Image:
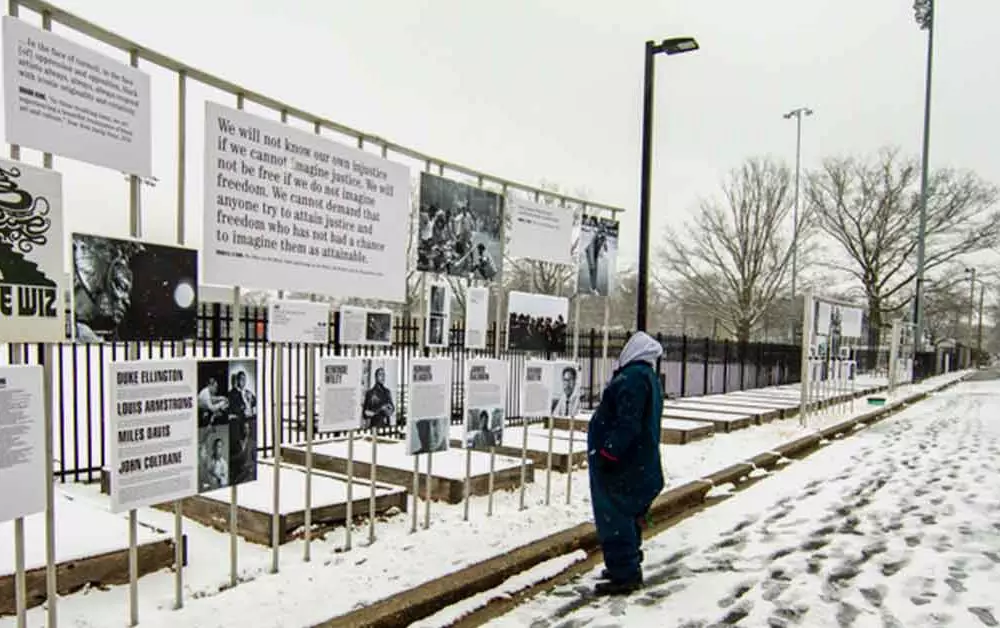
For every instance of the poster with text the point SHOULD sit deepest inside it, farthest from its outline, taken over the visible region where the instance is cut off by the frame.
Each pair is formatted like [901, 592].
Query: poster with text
[227, 422]
[477, 317]
[32, 275]
[485, 397]
[22, 442]
[460, 228]
[598, 248]
[430, 405]
[341, 394]
[290, 210]
[298, 321]
[565, 389]
[67, 99]
[380, 383]
[537, 322]
[536, 389]
[130, 290]
[437, 327]
[540, 232]
[362, 326]
[834, 322]
[154, 437]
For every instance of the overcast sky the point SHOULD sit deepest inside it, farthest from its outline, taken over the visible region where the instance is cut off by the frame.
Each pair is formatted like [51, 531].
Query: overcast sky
[546, 90]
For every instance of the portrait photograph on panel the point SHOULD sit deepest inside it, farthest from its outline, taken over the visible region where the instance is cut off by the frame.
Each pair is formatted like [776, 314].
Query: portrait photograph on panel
[227, 423]
[426, 436]
[537, 322]
[378, 327]
[460, 228]
[380, 380]
[128, 290]
[598, 252]
[565, 389]
[438, 321]
[484, 428]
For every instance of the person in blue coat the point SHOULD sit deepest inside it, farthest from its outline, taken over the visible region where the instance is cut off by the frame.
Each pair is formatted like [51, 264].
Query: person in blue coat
[623, 445]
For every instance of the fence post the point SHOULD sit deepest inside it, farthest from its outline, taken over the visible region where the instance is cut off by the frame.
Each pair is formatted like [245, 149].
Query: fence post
[591, 358]
[217, 329]
[725, 366]
[684, 364]
[707, 365]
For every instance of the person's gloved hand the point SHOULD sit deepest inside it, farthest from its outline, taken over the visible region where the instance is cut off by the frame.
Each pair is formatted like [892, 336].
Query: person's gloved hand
[606, 461]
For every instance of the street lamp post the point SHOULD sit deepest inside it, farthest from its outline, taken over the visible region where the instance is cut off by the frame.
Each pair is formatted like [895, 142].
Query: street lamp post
[797, 114]
[971, 272]
[979, 333]
[924, 12]
[677, 45]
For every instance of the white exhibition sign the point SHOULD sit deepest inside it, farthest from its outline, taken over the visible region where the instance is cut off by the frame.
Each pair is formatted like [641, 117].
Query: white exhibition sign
[341, 394]
[291, 210]
[32, 275]
[536, 389]
[540, 232]
[22, 441]
[298, 321]
[477, 317]
[154, 437]
[64, 98]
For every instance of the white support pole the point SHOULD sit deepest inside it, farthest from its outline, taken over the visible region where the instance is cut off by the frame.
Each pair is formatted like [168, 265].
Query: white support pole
[416, 494]
[279, 406]
[806, 377]
[524, 460]
[427, 492]
[310, 426]
[894, 357]
[234, 351]
[349, 516]
[372, 479]
[181, 217]
[467, 489]
[493, 462]
[579, 388]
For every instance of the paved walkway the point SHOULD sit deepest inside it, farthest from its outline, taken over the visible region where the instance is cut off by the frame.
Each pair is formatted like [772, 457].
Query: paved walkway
[897, 526]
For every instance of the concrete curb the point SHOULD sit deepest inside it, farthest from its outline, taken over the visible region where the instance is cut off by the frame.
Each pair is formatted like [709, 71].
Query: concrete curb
[426, 599]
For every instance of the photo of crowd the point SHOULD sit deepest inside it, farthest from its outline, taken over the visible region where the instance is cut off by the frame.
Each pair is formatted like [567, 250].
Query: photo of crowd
[460, 228]
[537, 322]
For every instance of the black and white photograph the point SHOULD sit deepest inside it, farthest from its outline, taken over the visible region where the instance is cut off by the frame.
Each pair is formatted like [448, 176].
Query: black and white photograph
[227, 423]
[565, 389]
[127, 290]
[598, 253]
[438, 315]
[537, 322]
[378, 327]
[484, 428]
[460, 227]
[380, 380]
[427, 436]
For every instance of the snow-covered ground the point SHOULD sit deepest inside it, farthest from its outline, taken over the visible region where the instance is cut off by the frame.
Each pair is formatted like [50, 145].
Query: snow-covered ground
[898, 526]
[335, 582]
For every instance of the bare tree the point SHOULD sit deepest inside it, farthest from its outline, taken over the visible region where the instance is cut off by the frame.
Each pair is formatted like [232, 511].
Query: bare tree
[733, 261]
[871, 209]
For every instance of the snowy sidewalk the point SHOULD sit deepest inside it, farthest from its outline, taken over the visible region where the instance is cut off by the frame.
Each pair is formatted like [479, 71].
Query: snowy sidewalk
[897, 526]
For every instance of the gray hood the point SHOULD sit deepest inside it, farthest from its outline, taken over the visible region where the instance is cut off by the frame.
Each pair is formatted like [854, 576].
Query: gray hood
[641, 347]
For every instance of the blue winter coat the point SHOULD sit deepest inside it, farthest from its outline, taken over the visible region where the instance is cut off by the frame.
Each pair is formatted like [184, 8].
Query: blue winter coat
[626, 425]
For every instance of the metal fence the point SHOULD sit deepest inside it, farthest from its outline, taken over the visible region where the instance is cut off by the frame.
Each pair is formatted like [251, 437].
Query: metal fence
[688, 367]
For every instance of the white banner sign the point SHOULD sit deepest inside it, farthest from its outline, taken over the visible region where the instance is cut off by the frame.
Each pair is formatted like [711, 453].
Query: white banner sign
[430, 405]
[341, 394]
[154, 440]
[540, 232]
[290, 210]
[485, 397]
[22, 442]
[536, 389]
[477, 317]
[64, 98]
[361, 326]
[298, 321]
[32, 275]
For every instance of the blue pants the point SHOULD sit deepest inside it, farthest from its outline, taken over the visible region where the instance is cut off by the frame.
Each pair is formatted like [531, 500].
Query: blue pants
[617, 522]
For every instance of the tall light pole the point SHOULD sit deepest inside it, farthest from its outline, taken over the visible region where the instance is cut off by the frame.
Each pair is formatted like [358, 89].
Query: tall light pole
[677, 45]
[924, 12]
[797, 114]
[971, 272]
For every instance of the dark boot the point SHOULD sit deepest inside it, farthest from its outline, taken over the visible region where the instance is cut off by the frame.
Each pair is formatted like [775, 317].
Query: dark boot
[618, 587]
[606, 575]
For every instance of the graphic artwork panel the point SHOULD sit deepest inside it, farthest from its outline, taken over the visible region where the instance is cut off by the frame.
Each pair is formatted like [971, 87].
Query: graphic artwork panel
[598, 248]
[227, 422]
[537, 322]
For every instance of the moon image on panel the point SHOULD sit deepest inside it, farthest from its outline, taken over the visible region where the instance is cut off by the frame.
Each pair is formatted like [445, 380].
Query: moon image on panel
[184, 295]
